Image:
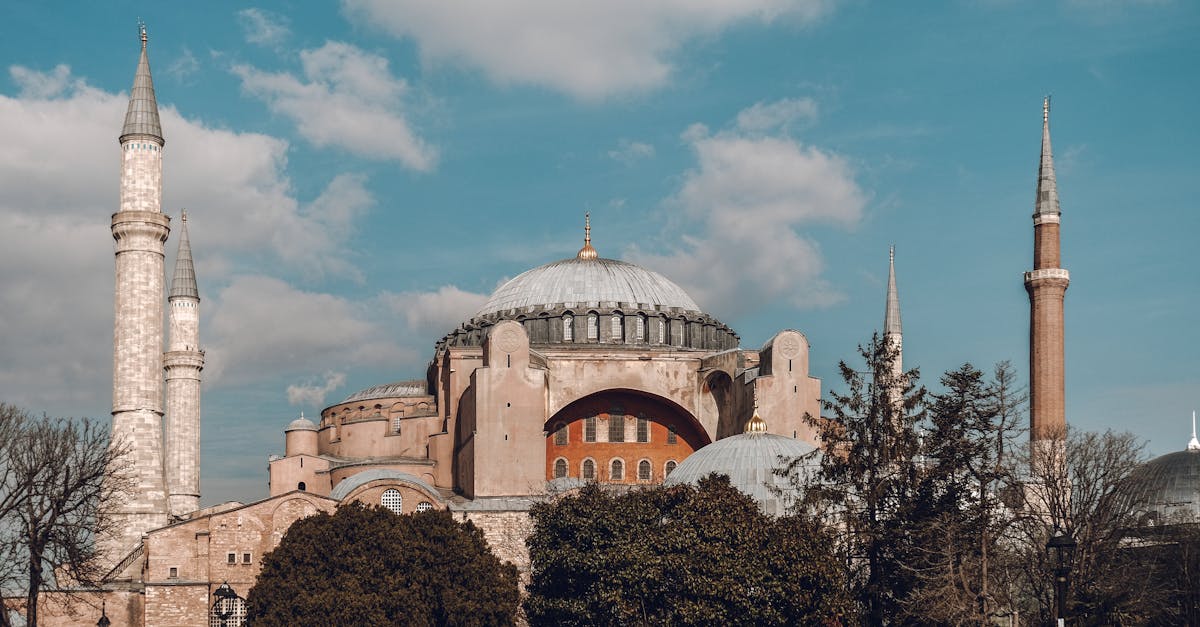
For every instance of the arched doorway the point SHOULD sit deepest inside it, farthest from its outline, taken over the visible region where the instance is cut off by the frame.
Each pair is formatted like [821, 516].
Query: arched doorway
[606, 437]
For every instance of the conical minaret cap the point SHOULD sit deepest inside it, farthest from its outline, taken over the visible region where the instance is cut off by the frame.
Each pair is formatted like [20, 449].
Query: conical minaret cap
[141, 118]
[891, 318]
[184, 283]
[1047, 189]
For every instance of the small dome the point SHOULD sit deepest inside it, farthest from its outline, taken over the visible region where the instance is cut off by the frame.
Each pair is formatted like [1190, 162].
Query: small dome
[1168, 487]
[301, 424]
[749, 459]
[575, 282]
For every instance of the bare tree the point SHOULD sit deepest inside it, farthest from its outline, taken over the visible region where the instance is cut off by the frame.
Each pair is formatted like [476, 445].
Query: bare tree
[58, 474]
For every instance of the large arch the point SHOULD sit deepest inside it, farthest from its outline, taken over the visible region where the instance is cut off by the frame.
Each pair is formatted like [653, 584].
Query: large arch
[627, 425]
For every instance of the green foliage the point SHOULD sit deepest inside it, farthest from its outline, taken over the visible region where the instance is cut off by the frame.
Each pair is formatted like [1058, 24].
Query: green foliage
[369, 566]
[681, 555]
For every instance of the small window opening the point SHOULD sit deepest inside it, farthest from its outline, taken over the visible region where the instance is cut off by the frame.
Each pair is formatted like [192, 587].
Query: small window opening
[589, 470]
[301, 487]
[617, 470]
[560, 435]
[231, 558]
[589, 429]
[672, 437]
[643, 429]
[245, 558]
[644, 473]
[424, 506]
[560, 468]
[174, 573]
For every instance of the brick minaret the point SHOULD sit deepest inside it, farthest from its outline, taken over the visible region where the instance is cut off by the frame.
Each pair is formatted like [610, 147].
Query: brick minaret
[183, 362]
[1046, 284]
[140, 230]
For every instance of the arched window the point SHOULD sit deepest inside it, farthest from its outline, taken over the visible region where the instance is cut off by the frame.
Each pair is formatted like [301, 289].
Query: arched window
[593, 326]
[589, 470]
[229, 610]
[643, 429]
[616, 427]
[568, 328]
[391, 500]
[560, 435]
[644, 471]
[300, 486]
[662, 331]
[616, 471]
[671, 466]
[640, 330]
[560, 468]
[424, 506]
[589, 429]
[618, 332]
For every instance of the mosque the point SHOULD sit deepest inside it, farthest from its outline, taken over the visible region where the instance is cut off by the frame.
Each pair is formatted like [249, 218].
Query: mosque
[586, 369]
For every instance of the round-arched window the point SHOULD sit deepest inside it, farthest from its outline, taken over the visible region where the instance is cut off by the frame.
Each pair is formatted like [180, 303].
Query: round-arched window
[424, 506]
[617, 470]
[644, 472]
[391, 500]
[671, 466]
[300, 486]
[560, 468]
[589, 470]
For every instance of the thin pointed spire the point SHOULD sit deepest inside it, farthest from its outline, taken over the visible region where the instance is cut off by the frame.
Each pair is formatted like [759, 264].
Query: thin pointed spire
[891, 318]
[1047, 189]
[1193, 444]
[184, 283]
[587, 252]
[141, 118]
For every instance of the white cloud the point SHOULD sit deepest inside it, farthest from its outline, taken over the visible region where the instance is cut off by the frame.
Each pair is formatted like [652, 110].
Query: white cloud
[753, 195]
[184, 66]
[347, 98]
[588, 49]
[780, 115]
[433, 314]
[628, 151]
[261, 327]
[263, 27]
[58, 186]
[312, 393]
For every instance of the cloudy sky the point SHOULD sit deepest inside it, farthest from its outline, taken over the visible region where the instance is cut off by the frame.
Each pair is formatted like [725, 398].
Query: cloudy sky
[359, 176]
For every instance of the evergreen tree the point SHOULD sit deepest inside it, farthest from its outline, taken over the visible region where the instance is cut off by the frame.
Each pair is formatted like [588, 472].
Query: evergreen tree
[682, 555]
[369, 566]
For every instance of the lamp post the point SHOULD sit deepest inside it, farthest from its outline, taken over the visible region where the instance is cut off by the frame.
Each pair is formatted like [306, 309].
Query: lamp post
[225, 604]
[103, 622]
[1062, 548]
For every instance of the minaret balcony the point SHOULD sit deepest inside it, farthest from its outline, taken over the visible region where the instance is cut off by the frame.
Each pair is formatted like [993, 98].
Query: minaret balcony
[1047, 273]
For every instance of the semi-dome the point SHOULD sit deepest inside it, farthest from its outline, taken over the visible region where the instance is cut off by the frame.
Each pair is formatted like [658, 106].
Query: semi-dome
[576, 282]
[749, 460]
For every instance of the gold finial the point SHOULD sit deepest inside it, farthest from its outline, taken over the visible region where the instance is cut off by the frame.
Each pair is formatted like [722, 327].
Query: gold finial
[756, 424]
[587, 252]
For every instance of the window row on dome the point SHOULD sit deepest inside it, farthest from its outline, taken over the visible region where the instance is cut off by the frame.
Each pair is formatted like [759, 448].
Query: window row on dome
[608, 327]
[616, 469]
[616, 429]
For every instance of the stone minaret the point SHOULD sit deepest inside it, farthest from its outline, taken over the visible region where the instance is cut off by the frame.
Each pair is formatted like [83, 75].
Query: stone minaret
[183, 362]
[1046, 284]
[140, 230]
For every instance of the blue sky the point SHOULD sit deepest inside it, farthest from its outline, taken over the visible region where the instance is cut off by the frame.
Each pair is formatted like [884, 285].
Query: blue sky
[359, 176]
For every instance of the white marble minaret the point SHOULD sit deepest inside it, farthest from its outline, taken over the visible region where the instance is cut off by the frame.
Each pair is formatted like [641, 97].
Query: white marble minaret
[183, 362]
[140, 230]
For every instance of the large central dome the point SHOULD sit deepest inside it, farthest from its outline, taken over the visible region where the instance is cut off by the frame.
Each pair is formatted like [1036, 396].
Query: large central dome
[579, 282]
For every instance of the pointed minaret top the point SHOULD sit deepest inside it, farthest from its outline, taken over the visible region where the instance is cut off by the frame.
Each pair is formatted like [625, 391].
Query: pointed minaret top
[1193, 444]
[141, 118]
[1047, 189]
[891, 318]
[184, 283]
[587, 252]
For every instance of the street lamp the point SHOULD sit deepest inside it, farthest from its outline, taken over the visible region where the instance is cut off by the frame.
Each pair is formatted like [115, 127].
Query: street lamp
[1062, 548]
[103, 622]
[226, 603]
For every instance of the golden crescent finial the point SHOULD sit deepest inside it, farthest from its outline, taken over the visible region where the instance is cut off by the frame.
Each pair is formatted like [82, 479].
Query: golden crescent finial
[587, 252]
[756, 424]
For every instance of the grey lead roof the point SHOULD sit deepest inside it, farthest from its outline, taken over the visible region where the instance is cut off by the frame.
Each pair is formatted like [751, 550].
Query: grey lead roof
[891, 318]
[1047, 188]
[183, 285]
[749, 460]
[353, 482]
[389, 390]
[142, 116]
[576, 282]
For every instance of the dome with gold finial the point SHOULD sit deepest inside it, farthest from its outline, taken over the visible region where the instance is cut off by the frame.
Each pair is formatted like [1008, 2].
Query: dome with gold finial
[750, 460]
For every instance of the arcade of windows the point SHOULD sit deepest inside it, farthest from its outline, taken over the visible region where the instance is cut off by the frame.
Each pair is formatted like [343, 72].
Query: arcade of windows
[616, 469]
[615, 431]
